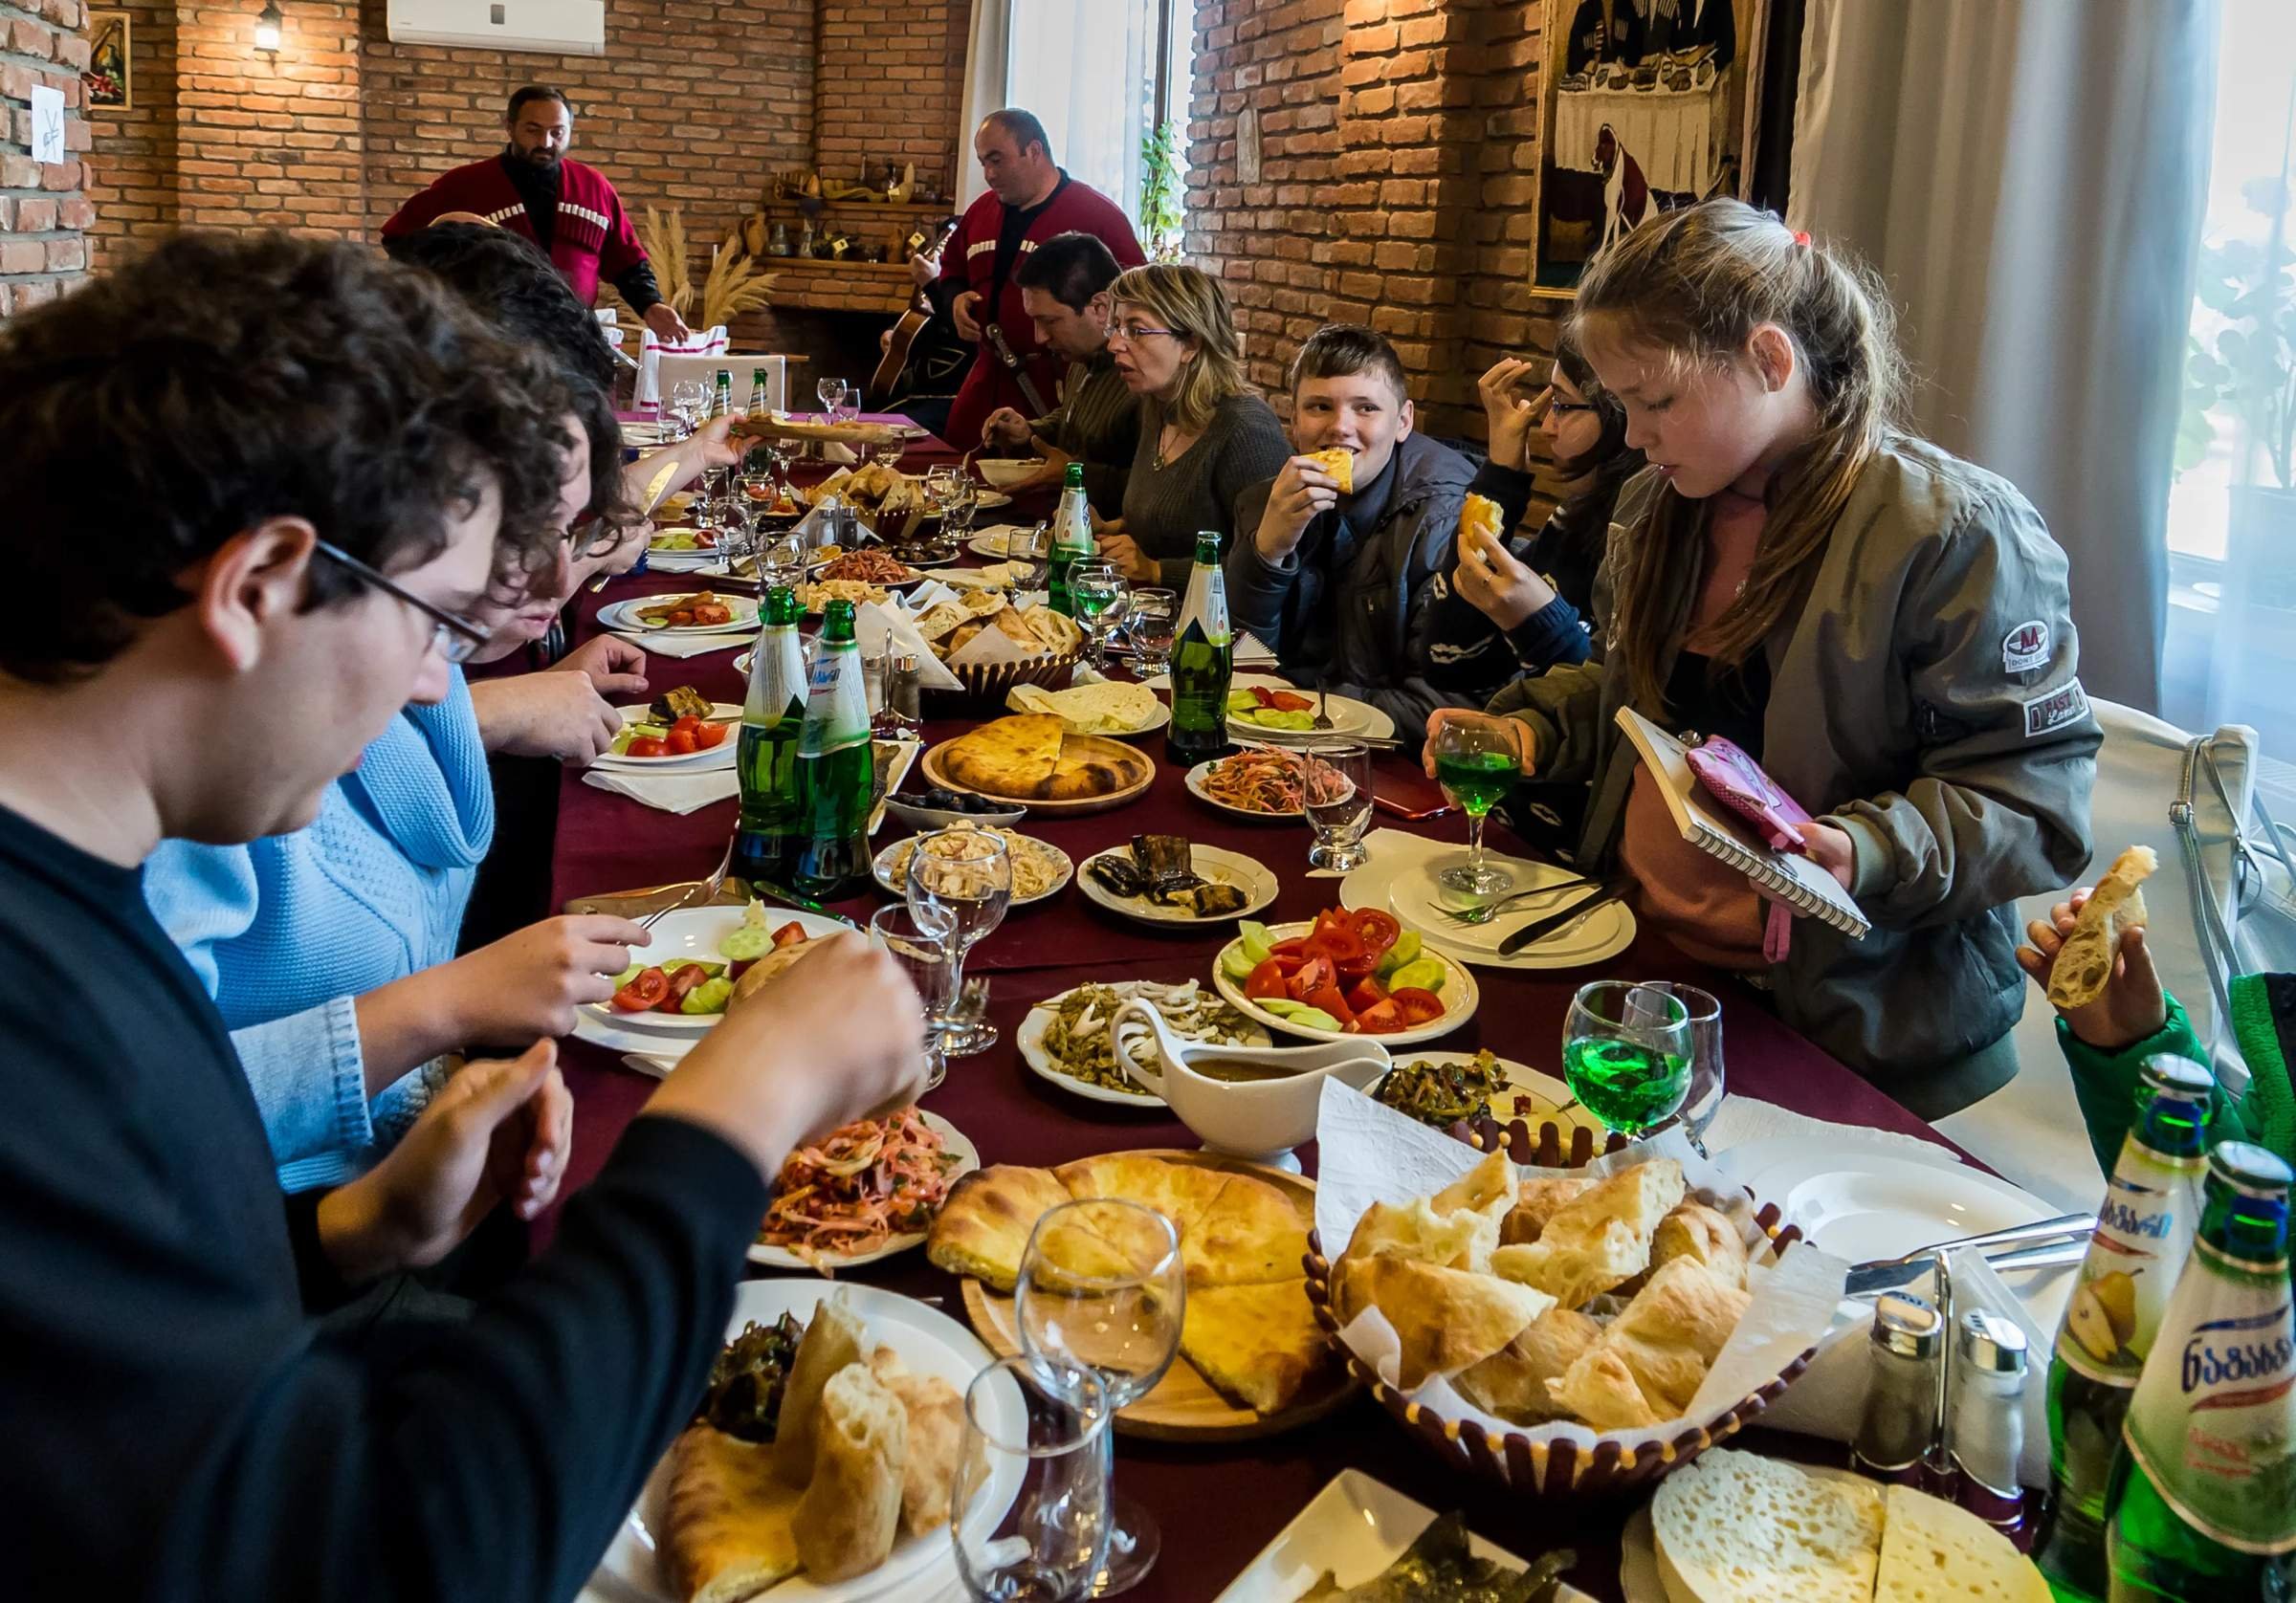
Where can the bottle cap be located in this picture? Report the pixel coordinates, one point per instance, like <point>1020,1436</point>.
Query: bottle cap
<point>1907,1326</point>
<point>1993,1343</point>
<point>2249,1168</point>
<point>2180,1077</point>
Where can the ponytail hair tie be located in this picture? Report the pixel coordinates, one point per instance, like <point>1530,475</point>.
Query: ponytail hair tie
<point>1801,239</point>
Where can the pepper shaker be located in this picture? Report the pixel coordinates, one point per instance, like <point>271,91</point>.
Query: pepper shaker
<point>904,696</point>
<point>1905,1351</point>
<point>1985,1432</point>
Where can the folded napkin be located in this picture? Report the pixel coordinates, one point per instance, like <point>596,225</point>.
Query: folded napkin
<point>893,630</point>
<point>667,644</point>
<point>1248,649</point>
<point>683,792</point>
<point>1745,1119</point>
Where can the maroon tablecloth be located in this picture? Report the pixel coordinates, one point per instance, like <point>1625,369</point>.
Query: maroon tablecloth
<point>1218,1505</point>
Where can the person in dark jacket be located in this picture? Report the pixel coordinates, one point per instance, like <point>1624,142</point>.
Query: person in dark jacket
<point>1342,584</point>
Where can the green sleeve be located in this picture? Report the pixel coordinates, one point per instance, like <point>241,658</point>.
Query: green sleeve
<point>2105,1084</point>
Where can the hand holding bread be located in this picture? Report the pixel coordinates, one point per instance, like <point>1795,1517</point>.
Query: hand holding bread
<point>2090,956</point>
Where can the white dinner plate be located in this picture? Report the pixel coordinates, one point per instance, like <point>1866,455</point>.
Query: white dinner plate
<point>1551,1099</point>
<point>1353,1528</point>
<point>932,1345</point>
<point>880,869</point>
<point>1874,1204</point>
<point>1348,715</point>
<point>990,543</point>
<point>968,1159</point>
<point>1602,935</point>
<point>1460,994</point>
<point>623,615</point>
<point>1247,874</point>
<point>691,934</point>
<point>684,561</point>
<point>719,755</point>
<point>1029,1038</point>
<point>1195,782</point>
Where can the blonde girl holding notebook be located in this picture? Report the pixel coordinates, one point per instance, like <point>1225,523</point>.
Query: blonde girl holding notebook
<point>1884,628</point>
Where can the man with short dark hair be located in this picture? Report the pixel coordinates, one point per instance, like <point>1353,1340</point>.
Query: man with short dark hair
<point>1339,578</point>
<point>301,456</point>
<point>567,208</point>
<point>1065,286</point>
<point>1030,199</point>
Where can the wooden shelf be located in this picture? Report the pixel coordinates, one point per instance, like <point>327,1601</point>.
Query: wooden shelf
<point>839,286</point>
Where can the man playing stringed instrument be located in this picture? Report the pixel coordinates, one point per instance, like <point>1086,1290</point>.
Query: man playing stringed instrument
<point>1065,284</point>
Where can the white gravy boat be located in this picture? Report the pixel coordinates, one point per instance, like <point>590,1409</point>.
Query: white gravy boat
<point>1259,1119</point>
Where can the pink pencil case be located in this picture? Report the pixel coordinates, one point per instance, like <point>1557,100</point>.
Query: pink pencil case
<point>1736,781</point>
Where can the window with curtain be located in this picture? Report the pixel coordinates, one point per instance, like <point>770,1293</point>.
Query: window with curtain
<point>1104,79</point>
<point>2231,646</point>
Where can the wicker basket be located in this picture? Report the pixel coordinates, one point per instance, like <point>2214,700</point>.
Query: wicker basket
<point>990,681</point>
<point>1556,1469</point>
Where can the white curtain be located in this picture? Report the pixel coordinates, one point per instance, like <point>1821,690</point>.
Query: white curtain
<point>1087,70</point>
<point>987,61</point>
<point>2029,177</point>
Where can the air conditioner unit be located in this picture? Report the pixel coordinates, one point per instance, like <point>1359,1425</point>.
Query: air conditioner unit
<point>557,27</point>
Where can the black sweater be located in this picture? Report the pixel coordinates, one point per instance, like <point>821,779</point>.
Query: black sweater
<point>177,1424</point>
<point>1473,656</point>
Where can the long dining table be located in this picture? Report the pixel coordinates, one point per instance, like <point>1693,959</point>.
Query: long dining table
<point>1217,1505</point>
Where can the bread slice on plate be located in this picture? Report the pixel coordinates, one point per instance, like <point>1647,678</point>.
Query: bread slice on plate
<point>1250,1235</point>
<point>1259,1345</point>
<point>2084,962</point>
<point>1732,1528</point>
<point>729,1528</point>
<point>982,1229</point>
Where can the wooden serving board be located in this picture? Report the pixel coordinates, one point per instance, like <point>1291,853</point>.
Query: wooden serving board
<point>837,433</point>
<point>1127,759</point>
<point>1183,1406</point>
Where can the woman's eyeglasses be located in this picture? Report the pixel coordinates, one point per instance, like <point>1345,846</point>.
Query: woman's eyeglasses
<point>1564,408</point>
<point>1132,334</point>
<point>455,638</point>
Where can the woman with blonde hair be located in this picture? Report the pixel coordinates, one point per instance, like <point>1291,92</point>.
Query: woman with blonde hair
<point>1204,436</point>
<point>1884,628</point>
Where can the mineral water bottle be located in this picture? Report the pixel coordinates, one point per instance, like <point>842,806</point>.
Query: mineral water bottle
<point>2203,1494</point>
<point>2144,1234</point>
<point>1072,538</point>
<point>725,393</point>
<point>758,404</point>
<point>834,778</point>
<point>1203,662</point>
<point>766,842</point>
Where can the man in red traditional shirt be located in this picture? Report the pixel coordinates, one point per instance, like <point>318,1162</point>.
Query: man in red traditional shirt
<point>565,206</point>
<point>1028,201</point>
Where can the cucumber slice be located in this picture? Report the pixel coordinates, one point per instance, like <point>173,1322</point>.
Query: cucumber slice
<point>1425,973</point>
<point>1237,963</point>
<point>1406,948</point>
<point>1257,944</point>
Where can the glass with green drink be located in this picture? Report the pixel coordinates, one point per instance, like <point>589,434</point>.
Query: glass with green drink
<point>1476,766</point>
<point>1626,1053</point>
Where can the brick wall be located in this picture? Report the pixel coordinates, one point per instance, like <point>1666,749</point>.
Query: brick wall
<point>1400,147</point>
<point>890,87</point>
<point>44,214</point>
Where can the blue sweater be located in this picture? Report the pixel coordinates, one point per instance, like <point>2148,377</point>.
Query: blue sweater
<point>288,932</point>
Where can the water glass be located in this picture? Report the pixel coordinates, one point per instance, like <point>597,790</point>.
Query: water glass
<point>961,502</point>
<point>1028,556</point>
<point>960,885</point>
<point>832,397</point>
<point>1334,777</point>
<point>1050,1455</point>
<point>1626,1053</point>
<point>924,959</point>
<point>887,453</point>
<point>1704,1099</point>
<point>689,405</point>
<point>1476,766</point>
<point>1150,624</point>
<point>1097,591</point>
<point>1101,1297</point>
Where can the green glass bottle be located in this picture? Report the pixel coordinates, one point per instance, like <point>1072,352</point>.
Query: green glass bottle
<point>1072,539</point>
<point>2144,1234</point>
<point>758,404</point>
<point>765,842</point>
<point>2203,1494</point>
<point>834,765</point>
<point>725,393</point>
<point>1203,663</point>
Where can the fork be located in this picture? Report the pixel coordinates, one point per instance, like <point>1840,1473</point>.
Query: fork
<point>705,889</point>
<point>1489,910</point>
<point>1323,719</point>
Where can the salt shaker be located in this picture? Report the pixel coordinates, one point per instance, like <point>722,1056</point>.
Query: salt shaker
<point>1985,1432</point>
<point>1905,1351</point>
<point>903,696</point>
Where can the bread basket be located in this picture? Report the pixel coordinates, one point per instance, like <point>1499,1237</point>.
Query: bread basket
<point>990,681</point>
<point>1556,1469</point>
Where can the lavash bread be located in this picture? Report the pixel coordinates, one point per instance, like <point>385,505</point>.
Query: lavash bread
<point>1698,1232</point>
<point>1730,1527</point>
<point>850,1512</point>
<point>2084,965</point>
<point>1600,1238</point>
<point>1651,1360</point>
<point>935,1414</point>
<point>1536,1203</point>
<point>1511,1383</point>
<point>1444,1320</point>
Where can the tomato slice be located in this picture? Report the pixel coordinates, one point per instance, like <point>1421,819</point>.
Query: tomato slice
<point>686,721</point>
<point>1287,701</point>
<point>709,736</point>
<point>737,968</point>
<point>1262,695</point>
<point>1336,942</point>
<point>1266,980</point>
<point>645,989</point>
<point>1365,996</point>
<point>1418,1007</point>
<point>1383,1019</point>
<point>679,982</point>
<point>789,933</point>
<point>682,742</point>
<point>646,745</point>
<point>1317,975</point>
<point>1329,999</point>
<point>1294,946</point>
<point>1377,929</point>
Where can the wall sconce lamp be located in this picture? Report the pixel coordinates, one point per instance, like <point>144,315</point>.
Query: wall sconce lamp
<point>267,28</point>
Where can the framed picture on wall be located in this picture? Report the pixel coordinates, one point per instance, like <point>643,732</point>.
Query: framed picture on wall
<point>110,54</point>
<point>1644,105</point>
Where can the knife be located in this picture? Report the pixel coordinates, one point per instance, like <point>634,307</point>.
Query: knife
<point>1871,1280</point>
<point>1539,928</point>
<point>766,890</point>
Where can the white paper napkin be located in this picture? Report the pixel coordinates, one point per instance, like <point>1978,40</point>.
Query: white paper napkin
<point>686,644</point>
<point>1743,1120</point>
<point>893,630</point>
<point>686,792</point>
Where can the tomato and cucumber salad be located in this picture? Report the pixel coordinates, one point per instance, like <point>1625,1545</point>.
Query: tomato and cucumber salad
<point>692,986</point>
<point>1356,973</point>
<point>682,739</point>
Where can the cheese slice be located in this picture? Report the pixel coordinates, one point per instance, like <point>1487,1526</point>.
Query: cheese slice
<point>1732,1528</point>
<point>1935,1553</point>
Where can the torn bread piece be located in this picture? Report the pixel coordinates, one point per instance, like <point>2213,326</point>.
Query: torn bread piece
<point>2083,964</point>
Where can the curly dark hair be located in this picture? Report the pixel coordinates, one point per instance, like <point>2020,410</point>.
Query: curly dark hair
<point>224,378</point>
<point>507,280</point>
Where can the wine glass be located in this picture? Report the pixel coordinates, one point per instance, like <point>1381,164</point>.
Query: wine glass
<point>924,958</point>
<point>1704,1098</point>
<point>1626,1053</point>
<point>1050,1454</point>
<point>960,885</point>
<point>1097,591</point>
<point>1151,623</point>
<point>832,397</point>
<point>1026,559</point>
<point>1334,783</point>
<point>1476,766</point>
<point>1102,1294</point>
<point>962,501</point>
<point>884,453</point>
<point>689,404</point>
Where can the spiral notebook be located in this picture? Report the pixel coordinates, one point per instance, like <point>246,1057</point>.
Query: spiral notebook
<point>1795,880</point>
